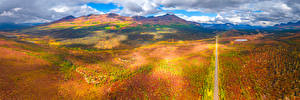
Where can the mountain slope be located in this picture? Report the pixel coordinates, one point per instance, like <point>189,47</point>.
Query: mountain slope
<point>108,31</point>
<point>229,26</point>
<point>114,20</point>
<point>13,26</point>
<point>289,25</point>
<point>162,20</point>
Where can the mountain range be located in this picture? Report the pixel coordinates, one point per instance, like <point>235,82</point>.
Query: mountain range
<point>15,26</point>
<point>108,31</point>
<point>167,19</point>
<point>229,26</point>
<point>113,19</point>
<point>289,25</point>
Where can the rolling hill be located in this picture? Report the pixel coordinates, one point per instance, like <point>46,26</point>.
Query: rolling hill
<point>289,25</point>
<point>110,56</point>
<point>108,31</point>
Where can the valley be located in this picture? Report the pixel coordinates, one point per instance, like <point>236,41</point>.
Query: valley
<point>109,56</point>
<point>160,70</point>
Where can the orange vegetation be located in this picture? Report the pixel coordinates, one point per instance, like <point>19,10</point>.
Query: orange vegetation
<point>24,76</point>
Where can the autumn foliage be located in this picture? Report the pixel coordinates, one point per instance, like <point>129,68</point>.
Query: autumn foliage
<point>271,73</point>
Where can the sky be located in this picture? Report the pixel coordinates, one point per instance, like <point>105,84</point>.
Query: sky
<point>252,12</point>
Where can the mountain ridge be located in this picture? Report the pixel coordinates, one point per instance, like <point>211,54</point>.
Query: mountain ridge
<point>112,17</point>
<point>289,25</point>
<point>167,19</point>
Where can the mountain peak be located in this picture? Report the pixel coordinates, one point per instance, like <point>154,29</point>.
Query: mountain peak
<point>91,15</point>
<point>112,15</point>
<point>138,18</point>
<point>170,17</point>
<point>289,24</point>
<point>69,17</point>
<point>163,20</point>
<point>93,19</point>
<point>168,14</point>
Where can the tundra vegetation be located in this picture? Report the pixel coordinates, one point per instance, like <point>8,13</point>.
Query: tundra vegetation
<point>113,57</point>
<point>266,67</point>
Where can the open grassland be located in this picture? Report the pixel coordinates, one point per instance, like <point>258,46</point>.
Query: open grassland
<point>157,64</point>
<point>163,70</point>
<point>265,67</point>
<point>113,35</point>
<point>25,75</point>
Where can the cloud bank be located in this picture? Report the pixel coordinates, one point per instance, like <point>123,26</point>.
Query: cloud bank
<point>253,12</point>
<point>39,11</point>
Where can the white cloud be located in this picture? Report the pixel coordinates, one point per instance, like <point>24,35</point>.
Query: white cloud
<point>134,7</point>
<point>84,10</point>
<point>201,19</point>
<point>21,11</point>
<point>263,23</point>
<point>37,20</point>
<point>230,11</point>
<point>60,9</point>
<point>117,10</point>
<point>233,11</point>
<point>6,13</point>
<point>17,9</point>
<point>234,20</point>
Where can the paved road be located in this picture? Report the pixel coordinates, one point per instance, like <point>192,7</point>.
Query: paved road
<point>216,83</point>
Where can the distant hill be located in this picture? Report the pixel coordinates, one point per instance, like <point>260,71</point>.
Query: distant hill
<point>116,20</point>
<point>113,31</point>
<point>67,18</point>
<point>229,26</point>
<point>13,26</point>
<point>234,32</point>
<point>107,31</point>
<point>289,25</point>
<point>163,20</point>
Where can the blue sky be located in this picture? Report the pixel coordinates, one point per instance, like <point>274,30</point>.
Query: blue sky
<point>191,13</point>
<point>103,7</point>
<point>106,8</point>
